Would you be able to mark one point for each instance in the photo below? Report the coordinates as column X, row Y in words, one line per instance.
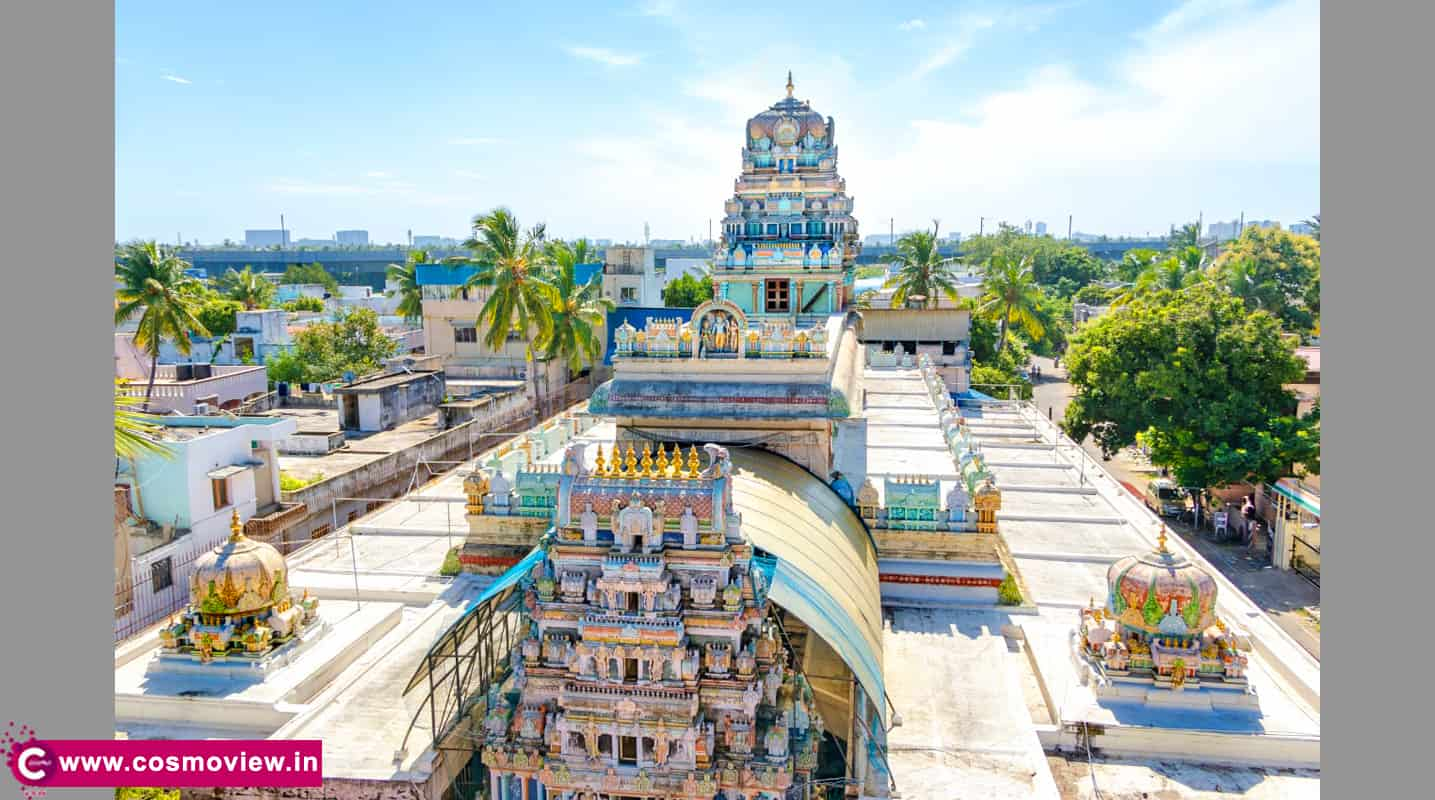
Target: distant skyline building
column 436, row 241
column 1041, row 229
column 266, row 237
column 1301, row 228
column 1268, row 224
column 354, row 237
column 1224, row 231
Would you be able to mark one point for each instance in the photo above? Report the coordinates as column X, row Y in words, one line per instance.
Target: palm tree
column 135, row 433
column 154, row 285
column 1314, row 223
column 512, row 267
column 1010, row 295
column 248, row 287
column 921, row 270
column 572, row 336
column 1188, row 235
column 411, row 297
column 1177, row 271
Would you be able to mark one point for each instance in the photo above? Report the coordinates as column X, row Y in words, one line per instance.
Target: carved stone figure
column 588, row 521
column 688, row 524
column 573, row 463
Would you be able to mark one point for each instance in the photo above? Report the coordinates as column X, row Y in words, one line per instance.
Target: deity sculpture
column 588, row 521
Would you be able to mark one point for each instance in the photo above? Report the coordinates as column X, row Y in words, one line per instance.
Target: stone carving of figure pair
column 635, row 522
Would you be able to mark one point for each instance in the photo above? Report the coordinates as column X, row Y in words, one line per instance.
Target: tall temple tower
column 789, row 241
column 652, row 667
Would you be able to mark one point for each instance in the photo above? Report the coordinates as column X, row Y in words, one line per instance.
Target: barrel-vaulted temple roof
column 825, row 572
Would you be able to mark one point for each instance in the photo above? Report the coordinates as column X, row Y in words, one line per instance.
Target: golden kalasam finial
column 694, row 462
column 1161, row 539
column 630, row 463
column 647, row 460
column 236, row 530
column 789, row 83
column 598, row 462
column 662, row 461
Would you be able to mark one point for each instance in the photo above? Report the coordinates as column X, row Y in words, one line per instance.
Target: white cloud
column 377, row 173
column 468, row 174
column 603, row 55
column 296, row 186
column 912, row 25
column 473, row 141
column 176, row 79
column 957, row 42
column 1187, row 99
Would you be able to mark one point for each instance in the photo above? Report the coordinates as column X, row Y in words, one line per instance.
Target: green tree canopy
column 406, row 275
column 217, row 316
column 1276, row 271
column 687, row 292
column 304, row 303
column 1201, row 379
column 1056, row 263
column 248, row 287
column 313, row 272
column 581, row 310
column 324, row 351
column 921, row 270
column 1011, row 296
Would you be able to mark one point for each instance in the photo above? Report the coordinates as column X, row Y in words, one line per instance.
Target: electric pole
column 981, row 226
column 283, row 240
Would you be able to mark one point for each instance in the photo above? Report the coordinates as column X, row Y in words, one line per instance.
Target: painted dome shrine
column 789, row 122
column 239, row 576
column 1142, row 590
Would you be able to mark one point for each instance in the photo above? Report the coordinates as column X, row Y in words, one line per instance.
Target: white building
column 630, row 276
column 355, row 237
column 1224, row 231
column 182, row 505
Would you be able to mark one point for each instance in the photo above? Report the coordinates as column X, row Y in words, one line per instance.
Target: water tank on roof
column 202, row 371
column 184, row 372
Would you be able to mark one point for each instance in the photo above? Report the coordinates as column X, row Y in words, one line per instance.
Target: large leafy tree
column 687, row 291
column 154, row 286
column 1063, row 266
column 513, row 271
column 248, row 287
column 921, row 270
column 581, row 310
column 1011, row 296
column 313, row 272
column 324, row 351
column 1201, row 379
column 406, row 275
column 1188, row 235
column 217, row 316
column 1276, row 271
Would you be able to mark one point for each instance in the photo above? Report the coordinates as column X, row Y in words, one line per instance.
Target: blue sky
column 416, row 116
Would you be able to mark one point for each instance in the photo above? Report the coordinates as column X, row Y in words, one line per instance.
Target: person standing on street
column 1248, row 513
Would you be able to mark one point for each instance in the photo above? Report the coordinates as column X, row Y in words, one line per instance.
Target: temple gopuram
column 654, row 665
column 789, row 240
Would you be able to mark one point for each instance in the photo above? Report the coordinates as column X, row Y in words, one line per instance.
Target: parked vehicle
column 1166, row 498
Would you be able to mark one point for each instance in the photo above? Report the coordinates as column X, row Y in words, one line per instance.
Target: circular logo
column 34, row 763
